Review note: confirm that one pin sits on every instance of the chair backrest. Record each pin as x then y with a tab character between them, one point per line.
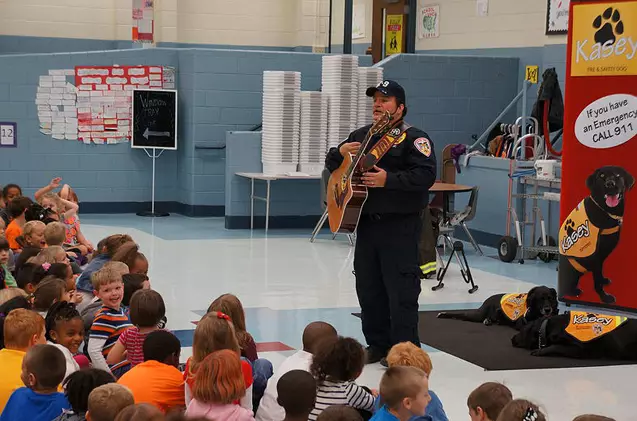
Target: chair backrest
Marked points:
448	173
473	204
325	178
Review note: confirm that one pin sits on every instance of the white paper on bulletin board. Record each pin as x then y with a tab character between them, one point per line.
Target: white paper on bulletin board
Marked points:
482	7
429	22
358	21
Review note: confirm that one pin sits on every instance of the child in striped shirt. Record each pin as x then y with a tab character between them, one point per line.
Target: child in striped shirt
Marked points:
110	321
336	365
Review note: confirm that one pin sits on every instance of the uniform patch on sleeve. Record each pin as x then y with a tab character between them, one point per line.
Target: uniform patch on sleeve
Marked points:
423	145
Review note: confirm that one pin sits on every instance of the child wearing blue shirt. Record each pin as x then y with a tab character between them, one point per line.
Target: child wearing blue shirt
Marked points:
408	354
43	370
405	394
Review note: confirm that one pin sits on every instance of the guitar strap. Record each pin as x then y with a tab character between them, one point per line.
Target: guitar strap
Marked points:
393	137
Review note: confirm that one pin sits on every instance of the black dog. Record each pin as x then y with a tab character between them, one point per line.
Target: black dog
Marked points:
591	232
619	344
540	302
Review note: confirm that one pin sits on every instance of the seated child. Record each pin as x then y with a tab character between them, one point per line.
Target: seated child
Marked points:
405	394
6	278
42	373
133	282
296	391
157	380
64	330
487	401
140	412
215	332
218	384
48	292
74	235
313	334
33	235
103	254
340	413
55	234
22	330
89	311
261	368
408	354
17	208
77	388
135	260
336	365
147	308
106	401
9	192
7	306
521	410
230	305
110	321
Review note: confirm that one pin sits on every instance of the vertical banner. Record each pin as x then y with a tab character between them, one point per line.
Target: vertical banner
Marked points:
429	22
598	206
394	35
144	21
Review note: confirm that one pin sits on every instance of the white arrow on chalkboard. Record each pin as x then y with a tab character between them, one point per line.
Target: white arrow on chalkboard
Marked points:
151	133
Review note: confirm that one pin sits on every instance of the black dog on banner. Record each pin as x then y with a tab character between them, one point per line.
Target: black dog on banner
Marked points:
591	231
580	335
511	309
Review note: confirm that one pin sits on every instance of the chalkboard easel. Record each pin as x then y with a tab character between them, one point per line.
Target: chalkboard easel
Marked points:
154	128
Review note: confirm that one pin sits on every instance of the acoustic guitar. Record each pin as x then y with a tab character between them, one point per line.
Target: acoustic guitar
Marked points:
346	193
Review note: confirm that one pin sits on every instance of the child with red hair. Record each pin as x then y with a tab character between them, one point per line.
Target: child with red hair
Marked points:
218	384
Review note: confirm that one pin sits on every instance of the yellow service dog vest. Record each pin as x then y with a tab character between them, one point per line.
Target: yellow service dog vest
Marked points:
585	326
513	306
578	236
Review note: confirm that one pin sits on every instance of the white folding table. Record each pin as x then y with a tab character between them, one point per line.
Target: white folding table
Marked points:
268	179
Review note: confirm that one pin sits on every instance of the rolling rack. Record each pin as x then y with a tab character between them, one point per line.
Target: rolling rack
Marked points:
529	189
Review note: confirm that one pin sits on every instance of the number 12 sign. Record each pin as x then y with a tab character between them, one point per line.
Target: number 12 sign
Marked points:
8	135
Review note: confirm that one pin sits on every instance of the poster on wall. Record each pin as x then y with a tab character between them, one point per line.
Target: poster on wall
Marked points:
429	22
394	35
557	17
598	206
143	21
358	21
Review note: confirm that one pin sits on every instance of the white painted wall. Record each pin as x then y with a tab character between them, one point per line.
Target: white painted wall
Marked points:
94	19
510	23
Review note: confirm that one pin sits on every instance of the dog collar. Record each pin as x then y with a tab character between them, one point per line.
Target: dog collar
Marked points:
542	342
619	219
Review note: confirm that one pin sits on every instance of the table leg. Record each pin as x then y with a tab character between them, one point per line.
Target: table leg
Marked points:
445	205
252	205
267	207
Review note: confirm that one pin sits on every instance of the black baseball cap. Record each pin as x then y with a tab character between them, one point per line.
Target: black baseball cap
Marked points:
388	88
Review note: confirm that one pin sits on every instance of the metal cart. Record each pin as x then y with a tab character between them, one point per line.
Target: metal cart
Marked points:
528	189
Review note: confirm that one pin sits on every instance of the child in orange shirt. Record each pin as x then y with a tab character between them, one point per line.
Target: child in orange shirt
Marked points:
17	208
157	380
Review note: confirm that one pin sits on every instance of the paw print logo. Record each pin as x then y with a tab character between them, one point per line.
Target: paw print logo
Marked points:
570	227
609	25
597	329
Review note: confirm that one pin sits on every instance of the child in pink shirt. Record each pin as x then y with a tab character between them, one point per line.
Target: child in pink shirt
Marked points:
218	384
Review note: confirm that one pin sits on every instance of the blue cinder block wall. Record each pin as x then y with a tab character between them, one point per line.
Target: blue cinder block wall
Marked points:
453	98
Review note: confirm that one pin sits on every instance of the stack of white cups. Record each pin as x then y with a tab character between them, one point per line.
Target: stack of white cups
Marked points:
313	132
340	84
281	117
367	76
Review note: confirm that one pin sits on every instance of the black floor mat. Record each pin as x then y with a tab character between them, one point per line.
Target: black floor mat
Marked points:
490	346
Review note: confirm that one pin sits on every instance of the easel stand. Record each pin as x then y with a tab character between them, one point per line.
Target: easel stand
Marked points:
152	212
458	248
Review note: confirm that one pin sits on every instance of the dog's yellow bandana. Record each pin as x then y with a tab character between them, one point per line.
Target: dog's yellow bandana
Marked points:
513	306
585	326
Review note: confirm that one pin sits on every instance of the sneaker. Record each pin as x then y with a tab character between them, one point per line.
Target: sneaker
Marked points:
383	362
374	355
